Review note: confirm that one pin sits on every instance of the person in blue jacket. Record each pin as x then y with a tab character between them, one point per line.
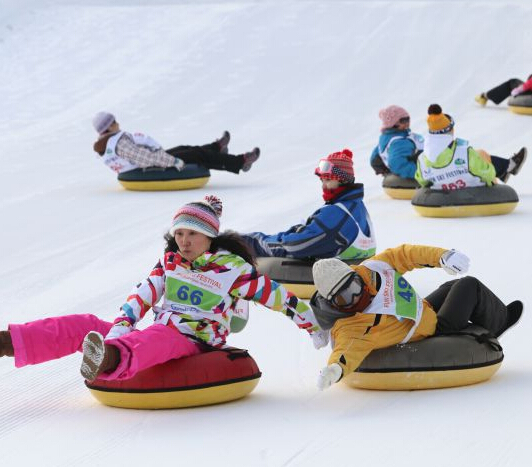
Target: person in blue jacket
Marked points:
340	228
398	147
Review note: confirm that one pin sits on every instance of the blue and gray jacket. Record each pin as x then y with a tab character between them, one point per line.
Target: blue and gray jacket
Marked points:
342	227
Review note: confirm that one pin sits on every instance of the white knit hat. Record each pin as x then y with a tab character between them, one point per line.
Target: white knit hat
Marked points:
102	121
330	275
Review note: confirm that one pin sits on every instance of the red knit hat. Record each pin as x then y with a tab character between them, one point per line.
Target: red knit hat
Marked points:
337	166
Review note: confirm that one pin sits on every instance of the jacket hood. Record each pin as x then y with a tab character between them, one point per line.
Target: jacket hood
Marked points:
435	145
390	133
100	145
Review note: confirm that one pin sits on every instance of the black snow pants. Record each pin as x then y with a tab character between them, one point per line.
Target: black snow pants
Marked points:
502	91
465	300
501	165
209	156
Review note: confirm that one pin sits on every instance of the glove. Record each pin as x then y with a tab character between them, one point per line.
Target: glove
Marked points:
119	329
518	90
454	262
320	339
329	375
179	164
379	167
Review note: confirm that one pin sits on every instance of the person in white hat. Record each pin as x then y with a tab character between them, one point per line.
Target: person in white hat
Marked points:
449	163
372	306
122	151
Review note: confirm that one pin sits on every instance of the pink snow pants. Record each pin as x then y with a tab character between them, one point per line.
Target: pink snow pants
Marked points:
51	338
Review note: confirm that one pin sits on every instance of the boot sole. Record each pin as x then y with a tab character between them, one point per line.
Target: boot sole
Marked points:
518	168
93	355
251	160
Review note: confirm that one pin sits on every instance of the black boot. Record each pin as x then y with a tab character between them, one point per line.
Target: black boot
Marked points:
98	357
516	162
6	345
515	310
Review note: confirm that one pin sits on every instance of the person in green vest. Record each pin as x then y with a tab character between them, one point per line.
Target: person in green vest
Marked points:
449	163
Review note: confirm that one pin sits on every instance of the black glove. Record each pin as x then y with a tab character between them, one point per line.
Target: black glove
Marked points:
379	167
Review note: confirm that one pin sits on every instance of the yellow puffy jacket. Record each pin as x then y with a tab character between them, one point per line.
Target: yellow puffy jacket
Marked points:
356	336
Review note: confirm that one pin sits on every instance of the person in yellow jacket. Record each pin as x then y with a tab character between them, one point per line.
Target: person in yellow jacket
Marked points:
371	305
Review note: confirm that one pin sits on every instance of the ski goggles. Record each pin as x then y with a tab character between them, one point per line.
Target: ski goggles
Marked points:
349	294
325	167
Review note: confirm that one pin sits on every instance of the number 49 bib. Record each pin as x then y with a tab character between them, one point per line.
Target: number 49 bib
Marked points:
396	297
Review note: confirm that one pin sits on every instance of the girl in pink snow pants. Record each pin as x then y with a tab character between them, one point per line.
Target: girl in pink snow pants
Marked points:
201	277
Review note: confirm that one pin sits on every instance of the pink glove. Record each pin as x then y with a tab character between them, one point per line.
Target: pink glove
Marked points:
518	90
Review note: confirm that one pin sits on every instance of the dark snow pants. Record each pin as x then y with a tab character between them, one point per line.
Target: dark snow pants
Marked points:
209	156
465	300
501	165
502	91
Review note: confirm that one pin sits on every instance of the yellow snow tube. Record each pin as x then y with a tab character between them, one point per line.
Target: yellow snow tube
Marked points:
399	188
479	201
294	274
204	379
164	185
521	104
165	179
436	362
520	110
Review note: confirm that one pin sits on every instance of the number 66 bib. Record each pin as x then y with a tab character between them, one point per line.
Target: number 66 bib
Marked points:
396	297
197	293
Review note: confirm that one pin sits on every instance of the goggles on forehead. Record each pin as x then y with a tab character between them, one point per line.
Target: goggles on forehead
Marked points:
349	294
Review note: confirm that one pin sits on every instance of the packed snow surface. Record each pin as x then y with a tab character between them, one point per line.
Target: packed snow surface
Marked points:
299	79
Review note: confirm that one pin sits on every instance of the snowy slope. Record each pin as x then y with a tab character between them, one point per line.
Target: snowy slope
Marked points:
300	79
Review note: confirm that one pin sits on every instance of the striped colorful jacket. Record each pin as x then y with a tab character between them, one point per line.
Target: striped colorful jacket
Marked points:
199	297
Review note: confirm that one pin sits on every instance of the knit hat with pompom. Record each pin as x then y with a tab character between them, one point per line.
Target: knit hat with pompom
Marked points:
337	166
438	122
201	216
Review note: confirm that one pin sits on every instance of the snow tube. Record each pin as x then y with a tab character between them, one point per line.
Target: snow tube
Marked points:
399	188
479	201
208	378
445	361
165	179
521	104
294	274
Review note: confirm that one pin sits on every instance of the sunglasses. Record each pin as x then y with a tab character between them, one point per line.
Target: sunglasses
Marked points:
404	120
